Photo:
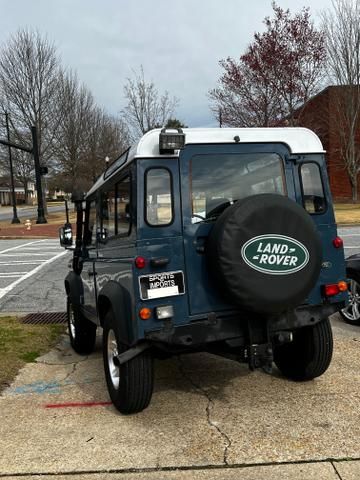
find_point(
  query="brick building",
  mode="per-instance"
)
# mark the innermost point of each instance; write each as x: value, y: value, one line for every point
x: 321, y: 114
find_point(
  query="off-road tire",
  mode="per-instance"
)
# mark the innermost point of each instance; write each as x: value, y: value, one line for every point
x: 82, y: 332
x: 309, y: 354
x: 134, y: 389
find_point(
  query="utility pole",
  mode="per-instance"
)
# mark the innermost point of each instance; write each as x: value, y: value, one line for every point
x: 35, y: 151
x: 220, y: 117
x: 15, y: 218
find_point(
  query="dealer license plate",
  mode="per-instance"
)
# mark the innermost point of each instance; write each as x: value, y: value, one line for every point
x: 159, y: 285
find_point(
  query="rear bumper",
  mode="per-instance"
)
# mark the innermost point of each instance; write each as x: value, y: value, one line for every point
x: 221, y: 328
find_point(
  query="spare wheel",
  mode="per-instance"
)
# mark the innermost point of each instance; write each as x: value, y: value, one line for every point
x: 265, y: 253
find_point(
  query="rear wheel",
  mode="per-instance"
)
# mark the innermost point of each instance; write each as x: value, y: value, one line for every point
x: 130, y: 385
x: 309, y: 354
x: 82, y: 332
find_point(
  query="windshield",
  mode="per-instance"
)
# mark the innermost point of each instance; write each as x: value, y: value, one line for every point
x: 217, y: 181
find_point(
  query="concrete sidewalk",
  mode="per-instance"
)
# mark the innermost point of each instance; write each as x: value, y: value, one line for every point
x: 209, y: 418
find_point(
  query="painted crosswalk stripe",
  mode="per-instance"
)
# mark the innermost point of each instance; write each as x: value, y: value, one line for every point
x: 4, y: 291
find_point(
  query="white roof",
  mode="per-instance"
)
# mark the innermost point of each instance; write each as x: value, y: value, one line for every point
x: 299, y: 140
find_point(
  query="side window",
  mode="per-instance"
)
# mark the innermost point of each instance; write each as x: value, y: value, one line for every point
x: 159, y: 201
x: 108, y: 213
x: 90, y: 232
x: 312, y: 187
x: 123, y: 217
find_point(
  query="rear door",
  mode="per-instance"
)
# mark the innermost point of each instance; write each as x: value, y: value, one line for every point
x: 162, y: 279
x: 216, y: 175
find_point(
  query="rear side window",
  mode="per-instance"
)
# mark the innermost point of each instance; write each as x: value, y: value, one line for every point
x: 159, y: 198
x: 312, y: 188
x: 108, y: 212
x: 122, y: 207
x: 90, y: 232
x: 115, y: 209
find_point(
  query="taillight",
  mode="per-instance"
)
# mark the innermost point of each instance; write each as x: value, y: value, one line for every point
x: 140, y: 262
x: 331, y: 290
x: 338, y: 242
x: 335, y: 288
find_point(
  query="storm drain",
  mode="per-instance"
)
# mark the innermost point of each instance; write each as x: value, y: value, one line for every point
x: 45, y: 318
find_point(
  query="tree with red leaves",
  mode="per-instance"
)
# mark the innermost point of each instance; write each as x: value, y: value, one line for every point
x: 280, y: 70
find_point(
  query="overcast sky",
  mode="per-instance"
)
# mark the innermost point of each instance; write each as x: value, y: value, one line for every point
x: 179, y: 42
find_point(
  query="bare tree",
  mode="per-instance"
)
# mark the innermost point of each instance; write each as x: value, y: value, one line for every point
x: 76, y: 106
x: 146, y: 108
x: 108, y: 137
x: 342, y: 29
x: 29, y: 87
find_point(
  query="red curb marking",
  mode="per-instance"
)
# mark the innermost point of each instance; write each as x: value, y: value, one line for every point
x: 77, y: 404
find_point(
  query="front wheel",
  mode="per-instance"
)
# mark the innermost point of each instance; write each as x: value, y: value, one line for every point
x: 82, y: 332
x: 309, y: 354
x: 130, y: 385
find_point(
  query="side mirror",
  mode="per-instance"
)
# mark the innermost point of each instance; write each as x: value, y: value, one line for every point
x: 65, y: 235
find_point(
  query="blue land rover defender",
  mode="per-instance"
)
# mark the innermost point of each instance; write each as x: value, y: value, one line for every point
x: 217, y: 240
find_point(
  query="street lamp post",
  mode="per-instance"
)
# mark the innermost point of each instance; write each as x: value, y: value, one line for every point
x: 15, y: 218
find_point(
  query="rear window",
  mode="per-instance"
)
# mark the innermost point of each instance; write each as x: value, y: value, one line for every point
x: 219, y: 180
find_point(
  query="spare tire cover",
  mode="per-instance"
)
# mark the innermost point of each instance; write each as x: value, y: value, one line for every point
x: 265, y: 253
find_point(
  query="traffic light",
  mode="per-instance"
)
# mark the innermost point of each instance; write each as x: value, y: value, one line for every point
x: 44, y: 170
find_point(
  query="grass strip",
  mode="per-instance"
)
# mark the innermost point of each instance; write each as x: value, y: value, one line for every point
x: 20, y: 344
x: 347, y: 213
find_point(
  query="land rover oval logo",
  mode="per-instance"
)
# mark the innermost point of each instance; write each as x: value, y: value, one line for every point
x: 275, y: 254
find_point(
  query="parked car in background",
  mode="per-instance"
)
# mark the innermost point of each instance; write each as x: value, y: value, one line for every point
x: 351, y: 313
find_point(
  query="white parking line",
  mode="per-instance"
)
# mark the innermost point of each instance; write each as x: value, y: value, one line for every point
x: 19, y: 262
x: 4, y: 291
x: 17, y: 274
x: 20, y: 246
x: 26, y: 254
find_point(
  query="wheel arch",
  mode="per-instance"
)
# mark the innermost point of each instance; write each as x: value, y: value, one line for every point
x: 115, y: 297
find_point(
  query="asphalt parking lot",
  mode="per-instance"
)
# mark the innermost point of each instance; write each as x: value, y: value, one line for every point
x: 31, y: 275
x: 209, y: 417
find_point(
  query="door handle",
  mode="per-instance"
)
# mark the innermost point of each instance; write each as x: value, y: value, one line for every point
x: 159, y: 262
x: 91, y: 273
